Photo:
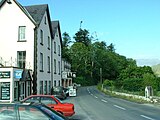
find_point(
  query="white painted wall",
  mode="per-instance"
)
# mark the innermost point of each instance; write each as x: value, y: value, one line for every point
x: 11, y: 17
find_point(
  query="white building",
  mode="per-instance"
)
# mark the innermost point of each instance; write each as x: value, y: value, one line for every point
x: 27, y: 41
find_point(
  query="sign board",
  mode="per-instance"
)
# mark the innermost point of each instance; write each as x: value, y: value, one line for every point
x: 5, y: 93
x: 64, y: 75
x: 5, y: 74
x: 18, y: 74
x: 72, y: 91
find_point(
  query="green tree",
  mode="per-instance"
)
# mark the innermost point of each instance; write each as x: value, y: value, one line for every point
x: 65, y: 46
x: 111, y: 48
x: 83, y: 37
x: 149, y: 80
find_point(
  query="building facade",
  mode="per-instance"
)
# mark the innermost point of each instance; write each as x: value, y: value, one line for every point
x: 30, y: 41
x: 56, y: 53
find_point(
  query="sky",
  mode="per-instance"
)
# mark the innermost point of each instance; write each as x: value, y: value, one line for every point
x: 133, y: 26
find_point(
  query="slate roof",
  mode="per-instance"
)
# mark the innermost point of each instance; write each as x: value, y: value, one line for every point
x: 54, y: 25
x: 37, y: 11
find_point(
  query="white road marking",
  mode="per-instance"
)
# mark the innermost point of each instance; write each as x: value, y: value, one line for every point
x: 119, y: 107
x: 147, y: 117
x: 95, y: 96
x: 103, y: 100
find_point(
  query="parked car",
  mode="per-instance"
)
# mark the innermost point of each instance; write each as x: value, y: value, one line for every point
x: 31, y: 111
x: 59, y: 92
x: 66, y: 90
x: 66, y: 109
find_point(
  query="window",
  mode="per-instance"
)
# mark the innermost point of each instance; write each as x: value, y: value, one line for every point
x: 48, y: 100
x: 59, y: 83
x: 21, y: 59
x: 55, y: 83
x: 48, y: 64
x: 59, y: 67
x: 54, y: 66
x: 49, y: 86
x: 22, y: 91
x: 33, y: 99
x: 54, y: 47
x: 45, y: 21
x: 49, y: 43
x: 41, y: 62
x: 41, y: 33
x: 41, y: 87
x: 21, y: 33
x: 45, y: 87
x: 59, y: 50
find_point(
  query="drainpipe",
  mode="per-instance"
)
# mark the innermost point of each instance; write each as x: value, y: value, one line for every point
x: 51, y: 65
x: 35, y: 62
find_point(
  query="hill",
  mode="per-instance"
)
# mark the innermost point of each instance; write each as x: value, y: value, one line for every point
x: 156, y: 69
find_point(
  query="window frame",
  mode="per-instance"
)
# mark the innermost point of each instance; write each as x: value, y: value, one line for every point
x: 21, y: 59
x: 49, y: 64
x: 55, y: 47
x: 55, y: 66
x: 49, y: 43
x: 22, y: 34
x: 41, y: 36
x: 41, y: 62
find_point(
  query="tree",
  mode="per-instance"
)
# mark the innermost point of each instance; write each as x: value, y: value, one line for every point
x: 65, y: 46
x: 149, y: 80
x: 83, y: 37
x: 111, y: 48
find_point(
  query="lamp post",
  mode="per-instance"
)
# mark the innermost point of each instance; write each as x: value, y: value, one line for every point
x: 80, y: 24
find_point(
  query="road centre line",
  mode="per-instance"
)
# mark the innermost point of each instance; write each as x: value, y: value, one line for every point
x: 103, y: 100
x: 119, y: 107
x: 147, y: 117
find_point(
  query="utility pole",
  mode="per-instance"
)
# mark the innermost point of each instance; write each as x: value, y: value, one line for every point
x: 101, y: 78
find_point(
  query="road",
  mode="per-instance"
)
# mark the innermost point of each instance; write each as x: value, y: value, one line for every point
x: 91, y: 104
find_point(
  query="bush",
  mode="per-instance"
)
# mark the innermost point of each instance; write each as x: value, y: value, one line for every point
x: 133, y: 84
x: 81, y: 80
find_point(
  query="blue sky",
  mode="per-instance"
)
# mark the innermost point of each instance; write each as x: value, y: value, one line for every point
x: 133, y: 26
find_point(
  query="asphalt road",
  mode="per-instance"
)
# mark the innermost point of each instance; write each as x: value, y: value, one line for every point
x: 91, y: 104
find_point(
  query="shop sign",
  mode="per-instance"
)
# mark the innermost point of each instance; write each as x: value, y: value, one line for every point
x: 18, y: 74
x: 5, y: 92
x: 64, y: 75
x: 5, y: 74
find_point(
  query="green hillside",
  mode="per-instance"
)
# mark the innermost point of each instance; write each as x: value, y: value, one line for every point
x: 156, y: 69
